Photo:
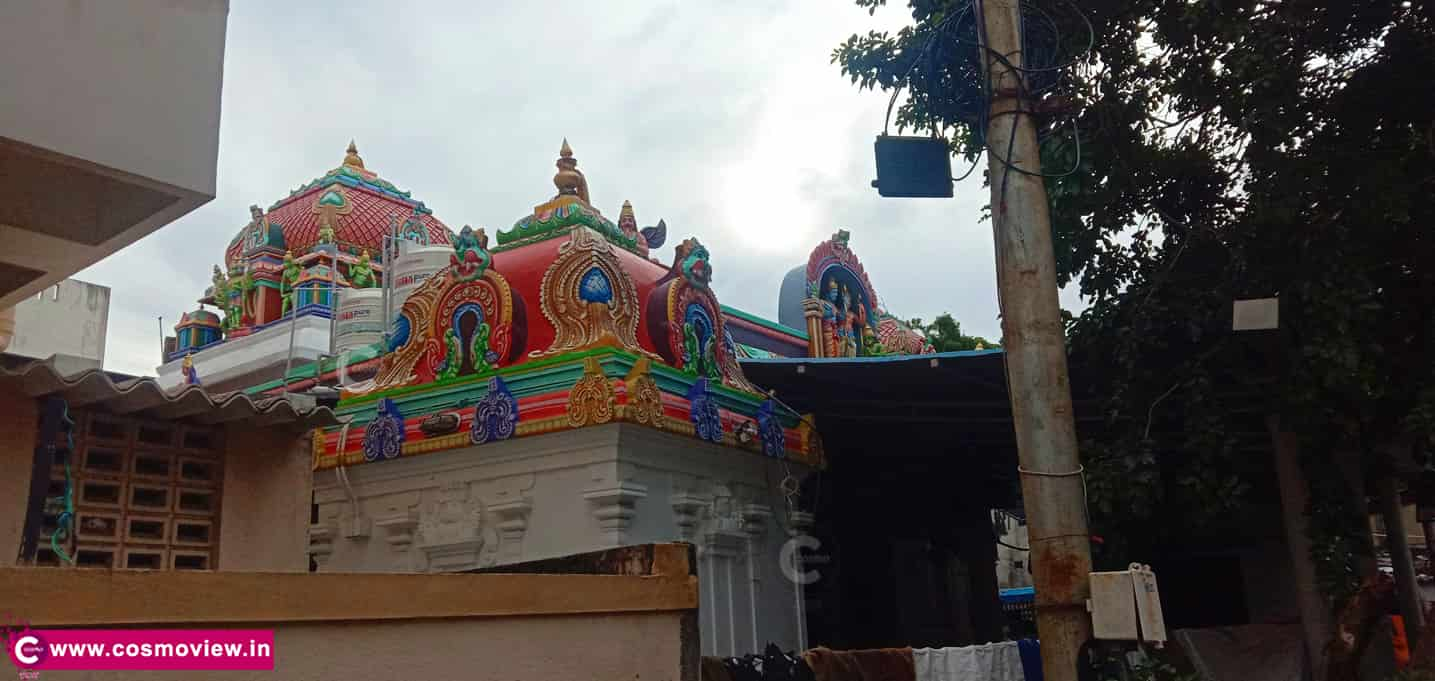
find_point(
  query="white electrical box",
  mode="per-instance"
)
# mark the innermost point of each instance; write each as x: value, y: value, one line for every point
x: 1126, y: 606
x: 1148, y: 604
x: 1113, y: 607
x: 1259, y: 314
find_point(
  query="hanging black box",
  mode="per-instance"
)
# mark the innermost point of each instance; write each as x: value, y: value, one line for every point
x: 913, y: 167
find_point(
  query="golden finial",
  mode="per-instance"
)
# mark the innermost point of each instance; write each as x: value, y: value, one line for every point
x: 569, y: 179
x: 351, y: 156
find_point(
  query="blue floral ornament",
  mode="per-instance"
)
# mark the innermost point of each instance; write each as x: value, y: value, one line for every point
x: 384, y: 436
x: 774, y: 439
x: 704, y: 412
x: 495, y: 417
x: 595, y: 287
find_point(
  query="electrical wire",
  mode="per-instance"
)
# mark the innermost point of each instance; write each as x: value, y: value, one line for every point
x: 1036, y: 49
x: 65, y: 520
x: 787, y: 468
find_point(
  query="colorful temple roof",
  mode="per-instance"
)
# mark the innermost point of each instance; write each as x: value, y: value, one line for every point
x: 563, y: 322
x: 359, y: 206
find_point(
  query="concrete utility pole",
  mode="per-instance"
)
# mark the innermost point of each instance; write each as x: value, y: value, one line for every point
x: 1051, y: 472
x: 1397, y: 542
x: 1290, y: 480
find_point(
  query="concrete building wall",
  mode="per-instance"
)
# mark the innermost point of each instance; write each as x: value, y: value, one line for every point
x: 265, y: 509
x: 574, y: 491
x: 133, y: 86
x: 250, y: 360
x: 509, y: 627
x: 19, y: 417
x: 1013, y: 564
x: 69, y: 318
x: 110, y: 128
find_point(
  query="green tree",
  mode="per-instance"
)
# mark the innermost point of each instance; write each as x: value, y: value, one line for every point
x: 1227, y: 150
x: 945, y: 334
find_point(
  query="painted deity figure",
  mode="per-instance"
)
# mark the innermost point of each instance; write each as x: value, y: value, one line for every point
x: 848, y: 328
x: 191, y: 376
x: 830, y: 325
x: 628, y: 225
x: 239, y: 302
x: 414, y: 229
x: 219, y: 292
x: 361, y: 273
x: 287, y: 282
x: 258, y: 228
x: 326, y: 233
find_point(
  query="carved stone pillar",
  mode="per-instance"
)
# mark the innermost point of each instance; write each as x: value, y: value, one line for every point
x: 812, y: 310
x: 512, y: 524
x: 755, y: 519
x: 321, y: 542
x: 398, y: 530
x: 800, y: 522
x: 687, y: 515
x: 612, y: 505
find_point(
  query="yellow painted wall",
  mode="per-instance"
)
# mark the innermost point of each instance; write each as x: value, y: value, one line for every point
x: 264, y: 513
x: 18, y: 423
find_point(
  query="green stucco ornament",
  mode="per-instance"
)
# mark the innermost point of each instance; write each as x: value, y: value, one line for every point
x: 470, y: 256
x: 361, y: 274
x: 288, y: 281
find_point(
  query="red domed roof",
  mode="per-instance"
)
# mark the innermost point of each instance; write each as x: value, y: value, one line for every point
x: 359, y: 205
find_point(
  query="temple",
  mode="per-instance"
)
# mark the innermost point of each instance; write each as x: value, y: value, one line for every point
x: 286, y: 264
x: 548, y: 389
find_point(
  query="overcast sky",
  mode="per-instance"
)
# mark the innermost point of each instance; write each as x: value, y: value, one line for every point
x: 723, y: 117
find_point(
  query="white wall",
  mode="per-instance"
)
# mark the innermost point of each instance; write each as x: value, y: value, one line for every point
x: 131, y: 85
x: 69, y: 318
x: 1013, y: 565
x: 109, y: 128
x: 571, y: 492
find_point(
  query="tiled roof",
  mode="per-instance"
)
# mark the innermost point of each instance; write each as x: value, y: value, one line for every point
x: 371, y: 201
x: 144, y: 396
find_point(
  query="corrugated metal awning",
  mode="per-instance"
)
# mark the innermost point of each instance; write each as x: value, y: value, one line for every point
x: 143, y: 397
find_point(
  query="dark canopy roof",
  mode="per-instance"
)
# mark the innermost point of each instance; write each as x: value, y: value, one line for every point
x: 962, y: 394
x: 942, y: 419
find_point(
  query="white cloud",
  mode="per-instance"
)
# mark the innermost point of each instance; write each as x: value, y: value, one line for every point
x: 726, y: 119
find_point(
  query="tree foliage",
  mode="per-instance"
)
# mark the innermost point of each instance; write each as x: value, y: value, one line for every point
x: 1230, y: 149
x: 945, y: 334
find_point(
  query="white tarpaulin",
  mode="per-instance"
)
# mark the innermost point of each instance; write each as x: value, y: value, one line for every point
x: 990, y: 662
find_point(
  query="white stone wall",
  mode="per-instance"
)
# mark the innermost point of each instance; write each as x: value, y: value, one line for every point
x: 263, y: 351
x: 1013, y: 565
x: 575, y: 491
x: 68, y: 318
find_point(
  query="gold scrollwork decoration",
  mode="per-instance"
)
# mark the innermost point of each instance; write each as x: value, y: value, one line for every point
x: 590, y: 402
x: 318, y: 448
x: 397, y: 367
x: 588, y: 298
x: 644, y: 401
